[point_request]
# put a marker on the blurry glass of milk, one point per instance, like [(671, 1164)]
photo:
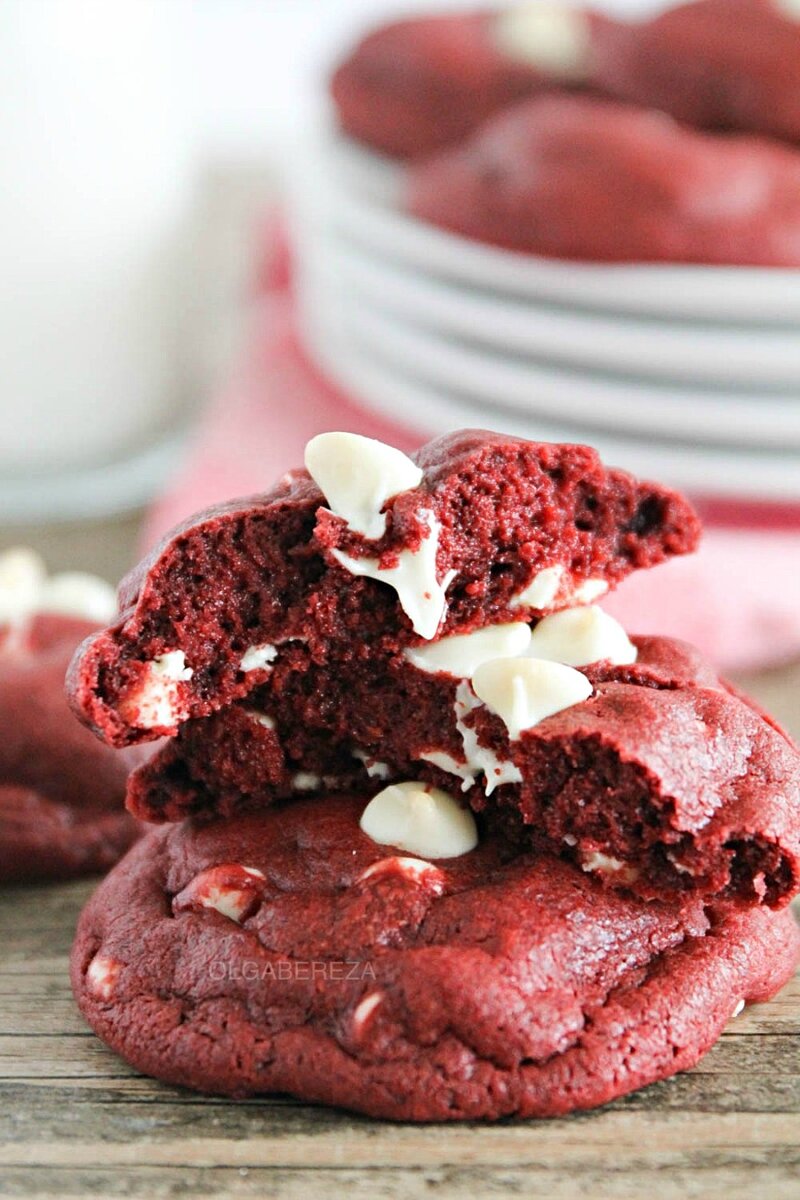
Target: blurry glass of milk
[(94, 176)]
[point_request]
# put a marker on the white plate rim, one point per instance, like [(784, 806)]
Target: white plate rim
[(702, 470), (745, 294), (533, 389), (103, 490), (675, 352)]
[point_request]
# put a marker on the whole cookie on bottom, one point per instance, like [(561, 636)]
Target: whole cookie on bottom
[(287, 951), (61, 792)]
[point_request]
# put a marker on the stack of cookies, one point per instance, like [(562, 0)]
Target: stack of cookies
[(436, 838)]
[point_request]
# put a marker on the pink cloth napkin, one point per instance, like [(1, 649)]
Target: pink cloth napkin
[(738, 599)]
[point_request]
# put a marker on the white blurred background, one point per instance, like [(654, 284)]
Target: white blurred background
[(139, 141), (268, 58)]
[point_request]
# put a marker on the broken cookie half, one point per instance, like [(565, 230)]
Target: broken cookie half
[(376, 553)]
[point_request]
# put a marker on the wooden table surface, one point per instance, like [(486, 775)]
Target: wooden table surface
[(75, 1121)]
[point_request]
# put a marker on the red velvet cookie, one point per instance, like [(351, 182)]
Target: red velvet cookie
[(288, 952), (724, 64), (583, 178), (416, 85), (651, 776), (476, 529), (61, 792)]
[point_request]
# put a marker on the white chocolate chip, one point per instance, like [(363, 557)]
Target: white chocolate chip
[(446, 762), (541, 591), (553, 38), (680, 867), (172, 666), (260, 718), (589, 591), (420, 819), (156, 703), (580, 636), (421, 596), (480, 759), (306, 781), (101, 976), (524, 691), (25, 590), (602, 862), (605, 865), (738, 1009), (364, 1010), (357, 475), (230, 889), (462, 654), (230, 902), (788, 8), (258, 658), (374, 768), (413, 870)]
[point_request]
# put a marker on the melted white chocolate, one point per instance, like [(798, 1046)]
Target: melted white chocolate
[(156, 703), (422, 598), (357, 475), (580, 636)]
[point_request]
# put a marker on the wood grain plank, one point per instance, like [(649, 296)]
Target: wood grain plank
[(295, 1139), (444, 1183)]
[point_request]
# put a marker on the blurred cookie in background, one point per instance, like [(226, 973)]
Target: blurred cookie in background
[(61, 791), (721, 64), (585, 178), (416, 85)]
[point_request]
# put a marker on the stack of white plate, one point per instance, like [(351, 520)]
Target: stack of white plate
[(688, 373)]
